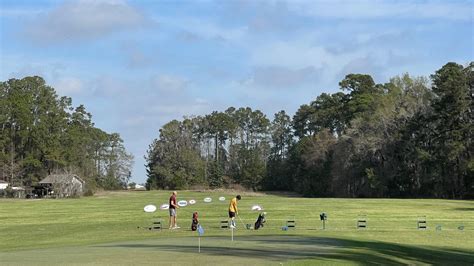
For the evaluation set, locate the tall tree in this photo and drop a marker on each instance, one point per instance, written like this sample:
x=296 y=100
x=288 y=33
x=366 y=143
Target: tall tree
x=362 y=91
x=43 y=134
x=453 y=127
x=173 y=160
x=278 y=177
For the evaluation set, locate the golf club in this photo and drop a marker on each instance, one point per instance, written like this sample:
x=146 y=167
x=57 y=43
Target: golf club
x=241 y=221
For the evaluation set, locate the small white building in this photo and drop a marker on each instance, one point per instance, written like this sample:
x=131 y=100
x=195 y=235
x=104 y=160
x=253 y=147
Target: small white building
x=19 y=192
x=139 y=187
x=15 y=192
x=64 y=185
x=3 y=184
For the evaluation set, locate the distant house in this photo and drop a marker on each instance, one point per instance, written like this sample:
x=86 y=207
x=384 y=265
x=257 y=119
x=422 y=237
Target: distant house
x=14 y=192
x=64 y=185
x=18 y=192
x=139 y=187
x=134 y=186
x=3 y=184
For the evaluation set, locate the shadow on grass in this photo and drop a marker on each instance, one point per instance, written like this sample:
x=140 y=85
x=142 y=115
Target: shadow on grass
x=285 y=194
x=279 y=248
x=464 y=209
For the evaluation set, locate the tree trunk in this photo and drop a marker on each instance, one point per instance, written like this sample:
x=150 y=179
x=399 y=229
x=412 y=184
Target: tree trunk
x=12 y=156
x=217 y=149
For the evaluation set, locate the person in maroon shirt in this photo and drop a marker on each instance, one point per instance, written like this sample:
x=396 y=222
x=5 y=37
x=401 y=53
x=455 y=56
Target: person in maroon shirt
x=173 y=207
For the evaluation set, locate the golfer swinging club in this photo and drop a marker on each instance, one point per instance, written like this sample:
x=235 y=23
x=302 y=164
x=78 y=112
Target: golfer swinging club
x=173 y=207
x=233 y=210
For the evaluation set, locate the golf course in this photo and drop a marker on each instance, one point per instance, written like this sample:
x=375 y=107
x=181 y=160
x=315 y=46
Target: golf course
x=112 y=228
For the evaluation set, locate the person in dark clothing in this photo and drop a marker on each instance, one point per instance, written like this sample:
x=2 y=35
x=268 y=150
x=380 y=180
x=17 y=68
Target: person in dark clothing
x=172 y=209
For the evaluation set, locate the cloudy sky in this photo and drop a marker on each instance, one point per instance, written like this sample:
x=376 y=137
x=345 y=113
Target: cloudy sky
x=136 y=65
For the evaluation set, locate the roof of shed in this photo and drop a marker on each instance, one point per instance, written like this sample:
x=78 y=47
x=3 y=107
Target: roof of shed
x=62 y=178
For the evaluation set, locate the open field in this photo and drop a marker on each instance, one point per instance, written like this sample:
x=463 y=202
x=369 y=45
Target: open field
x=103 y=230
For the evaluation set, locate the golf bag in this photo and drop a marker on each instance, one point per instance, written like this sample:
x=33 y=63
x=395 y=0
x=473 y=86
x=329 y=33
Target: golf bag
x=195 y=222
x=260 y=221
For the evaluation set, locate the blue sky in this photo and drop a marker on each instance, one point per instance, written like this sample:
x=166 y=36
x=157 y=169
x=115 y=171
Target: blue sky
x=138 y=64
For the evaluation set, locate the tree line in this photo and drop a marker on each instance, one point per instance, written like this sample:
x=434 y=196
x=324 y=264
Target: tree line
x=42 y=133
x=409 y=137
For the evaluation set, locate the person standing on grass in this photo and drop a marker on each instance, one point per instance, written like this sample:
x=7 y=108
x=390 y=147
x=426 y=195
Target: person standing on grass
x=173 y=207
x=233 y=211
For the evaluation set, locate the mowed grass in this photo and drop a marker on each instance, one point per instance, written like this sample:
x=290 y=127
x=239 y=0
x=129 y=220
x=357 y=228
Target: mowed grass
x=103 y=230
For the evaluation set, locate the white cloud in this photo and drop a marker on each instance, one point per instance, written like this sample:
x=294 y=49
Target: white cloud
x=293 y=54
x=148 y=99
x=277 y=77
x=192 y=29
x=20 y=66
x=136 y=57
x=362 y=65
x=68 y=86
x=108 y=86
x=169 y=83
x=25 y=70
x=300 y=57
x=178 y=110
x=84 y=19
x=370 y=9
x=188 y=36
x=18 y=12
x=135 y=121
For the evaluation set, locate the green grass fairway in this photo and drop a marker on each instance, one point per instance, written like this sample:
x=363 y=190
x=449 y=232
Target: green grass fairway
x=103 y=230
